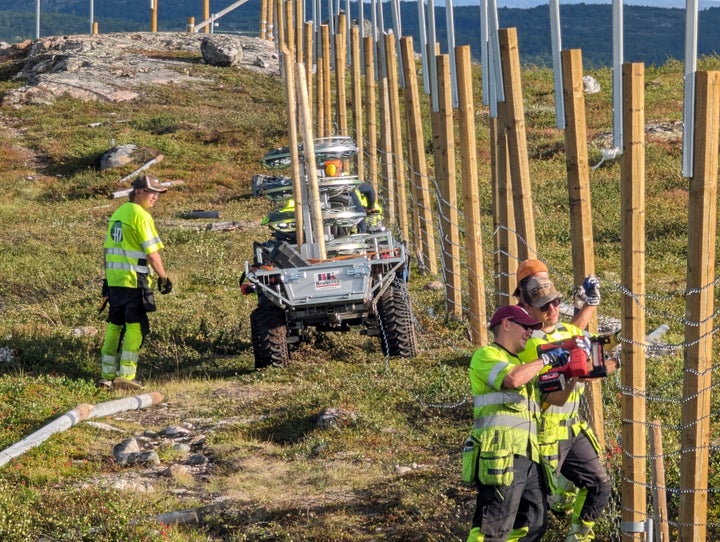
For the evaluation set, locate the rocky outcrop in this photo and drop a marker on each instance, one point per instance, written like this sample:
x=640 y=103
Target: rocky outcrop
x=115 y=67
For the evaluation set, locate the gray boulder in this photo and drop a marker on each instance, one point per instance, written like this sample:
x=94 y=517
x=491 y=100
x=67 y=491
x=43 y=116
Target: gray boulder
x=118 y=156
x=219 y=50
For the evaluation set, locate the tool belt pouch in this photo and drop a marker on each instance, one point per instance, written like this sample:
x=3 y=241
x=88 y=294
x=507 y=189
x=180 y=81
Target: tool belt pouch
x=148 y=298
x=495 y=467
x=470 y=455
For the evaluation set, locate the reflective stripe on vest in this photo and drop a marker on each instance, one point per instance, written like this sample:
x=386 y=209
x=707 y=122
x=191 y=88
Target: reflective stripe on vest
x=498 y=398
x=506 y=420
x=150 y=242
x=500 y=366
x=142 y=269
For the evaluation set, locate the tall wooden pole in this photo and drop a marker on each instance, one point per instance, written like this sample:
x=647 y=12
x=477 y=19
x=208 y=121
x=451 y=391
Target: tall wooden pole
x=263 y=19
x=357 y=103
x=632 y=241
x=396 y=135
x=517 y=142
x=697 y=382
x=297 y=177
x=318 y=249
x=153 y=15
x=340 y=90
x=327 y=129
x=424 y=230
x=309 y=60
x=505 y=239
x=370 y=111
x=581 y=231
x=471 y=197
x=444 y=154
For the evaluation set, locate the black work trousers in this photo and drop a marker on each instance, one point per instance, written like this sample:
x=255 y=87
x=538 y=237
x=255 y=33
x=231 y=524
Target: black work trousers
x=579 y=463
x=519 y=506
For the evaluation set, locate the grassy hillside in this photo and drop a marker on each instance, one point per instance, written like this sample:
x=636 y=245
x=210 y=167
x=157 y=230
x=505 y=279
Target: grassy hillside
x=389 y=470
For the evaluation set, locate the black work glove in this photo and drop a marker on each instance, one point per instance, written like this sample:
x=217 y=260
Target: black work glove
x=105 y=293
x=164 y=285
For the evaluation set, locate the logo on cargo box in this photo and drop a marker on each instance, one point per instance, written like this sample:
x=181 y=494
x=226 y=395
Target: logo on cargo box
x=324 y=281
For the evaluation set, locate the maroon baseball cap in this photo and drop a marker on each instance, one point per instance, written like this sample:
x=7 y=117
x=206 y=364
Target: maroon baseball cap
x=515 y=313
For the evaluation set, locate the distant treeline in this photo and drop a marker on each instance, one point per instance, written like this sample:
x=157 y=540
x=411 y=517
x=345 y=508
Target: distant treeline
x=652 y=35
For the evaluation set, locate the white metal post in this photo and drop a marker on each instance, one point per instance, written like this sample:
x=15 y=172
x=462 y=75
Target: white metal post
x=450 y=26
x=432 y=40
x=484 y=58
x=422 y=29
x=691 y=22
x=618 y=59
x=37 y=20
x=361 y=16
x=556 y=42
x=497 y=90
x=397 y=29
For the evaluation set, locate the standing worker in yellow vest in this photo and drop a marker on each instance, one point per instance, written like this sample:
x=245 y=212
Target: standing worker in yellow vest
x=502 y=455
x=568 y=444
x=131 y=250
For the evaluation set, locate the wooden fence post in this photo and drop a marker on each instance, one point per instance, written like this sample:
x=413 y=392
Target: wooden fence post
x=471 y=197
x=424 y=233
x=206 y=15
x=357 y=103
x=506 y=239
x=297 y=178
x=263 y=19
x=318 y=250
x=581 y=231
x=632 y=241
x=386 y=143
x=309 y=60
x=444 y=153
x=270 y=32
x=153 y=15
x=371 y=111
x=299 y=23
x=514 y=118
x=695 y=439
x=289 y=28
x=327 y=129
x=659 y=498
x=396 y=136
x=280 y=25
x=340 y=67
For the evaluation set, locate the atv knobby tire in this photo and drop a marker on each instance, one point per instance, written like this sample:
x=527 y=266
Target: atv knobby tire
x=397 y=332
x=269 y=336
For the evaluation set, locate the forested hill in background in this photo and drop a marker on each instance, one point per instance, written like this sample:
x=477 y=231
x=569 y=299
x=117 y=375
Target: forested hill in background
x=652 y=35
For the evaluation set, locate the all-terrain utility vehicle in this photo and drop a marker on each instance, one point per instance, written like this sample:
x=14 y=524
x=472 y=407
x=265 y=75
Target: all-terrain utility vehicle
x=360 y=284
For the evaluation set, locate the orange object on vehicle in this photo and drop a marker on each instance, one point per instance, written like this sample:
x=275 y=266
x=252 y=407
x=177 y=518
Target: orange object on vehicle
x=333 y=168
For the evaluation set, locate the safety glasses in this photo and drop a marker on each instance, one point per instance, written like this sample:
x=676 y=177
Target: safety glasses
x=553 y=303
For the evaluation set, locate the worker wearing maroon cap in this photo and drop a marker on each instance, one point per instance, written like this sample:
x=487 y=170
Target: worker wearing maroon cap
x=501 y=455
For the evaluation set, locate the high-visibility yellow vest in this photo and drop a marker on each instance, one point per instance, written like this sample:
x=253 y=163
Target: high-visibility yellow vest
x=131 y=236
x=558 y=422
x=505 y=419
